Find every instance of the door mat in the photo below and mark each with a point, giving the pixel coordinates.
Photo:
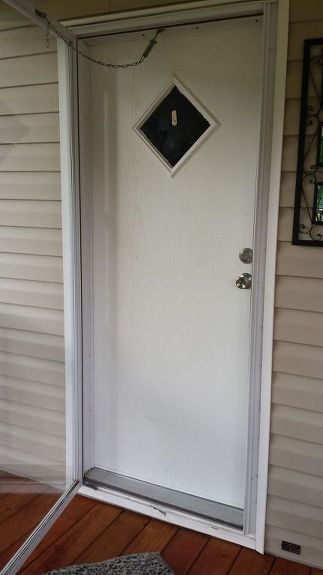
(139, 564)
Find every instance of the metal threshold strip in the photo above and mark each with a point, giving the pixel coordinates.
(223, 514)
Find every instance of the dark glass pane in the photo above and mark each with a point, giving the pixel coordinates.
(320, 147)
(318, 204)
(174, 126)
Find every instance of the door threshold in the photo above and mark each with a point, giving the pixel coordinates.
(220, 513)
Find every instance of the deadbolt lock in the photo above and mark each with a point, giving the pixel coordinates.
(244, 281)
(246, 255)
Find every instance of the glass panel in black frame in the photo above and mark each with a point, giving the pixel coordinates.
(318, 204)
(174, 126)
(319, 160)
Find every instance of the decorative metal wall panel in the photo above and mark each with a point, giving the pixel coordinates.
(308, 212)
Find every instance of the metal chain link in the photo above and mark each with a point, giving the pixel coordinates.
(50, 27)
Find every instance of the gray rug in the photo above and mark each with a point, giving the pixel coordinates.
(139, 564)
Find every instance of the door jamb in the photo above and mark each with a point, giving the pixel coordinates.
(275, 60)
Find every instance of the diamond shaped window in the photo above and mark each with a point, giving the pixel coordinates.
(175, 126)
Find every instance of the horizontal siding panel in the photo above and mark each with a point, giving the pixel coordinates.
(30, 267)
(30, 213)
(29, 157)
(299, 293)
(299, 261)
(291, 120)
(300, 11)
(307, 519)
(40, 241)
(296, 454)
(295, 391)
(40, 69)
(25, 41)
(30, 186)
(44, 346)
(298, 32)
(32, 369)
(10, 18)
(31, 441)
(312, 547)
(35, 418)
(32, 319)
(296, 486)
(299, 327)
(297, 423)
(32, 393)
(292, 114)
(39, 468)
(28, 129)
(32, 293)
(298, 359)
(285, 224)
(294, 80)
(290, 149)
(287, 189)
(29, 100)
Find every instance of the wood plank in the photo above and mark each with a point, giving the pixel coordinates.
(69, 546)
(114, 539)
(25, 520)
(154, 537)
(250, 562)
(12, 503)
(216, 558)
(10, 483)
(284, 567)
(8, 553)
(183, 550)
(77, 509)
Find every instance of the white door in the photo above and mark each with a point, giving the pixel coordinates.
(171, 328)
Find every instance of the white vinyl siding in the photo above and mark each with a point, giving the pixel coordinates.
(32, 374)
(295, 490)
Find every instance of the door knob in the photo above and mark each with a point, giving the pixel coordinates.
(244, 281)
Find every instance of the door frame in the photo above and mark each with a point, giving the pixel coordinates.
(275, 36)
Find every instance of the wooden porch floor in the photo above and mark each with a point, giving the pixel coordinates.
(90, 531)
